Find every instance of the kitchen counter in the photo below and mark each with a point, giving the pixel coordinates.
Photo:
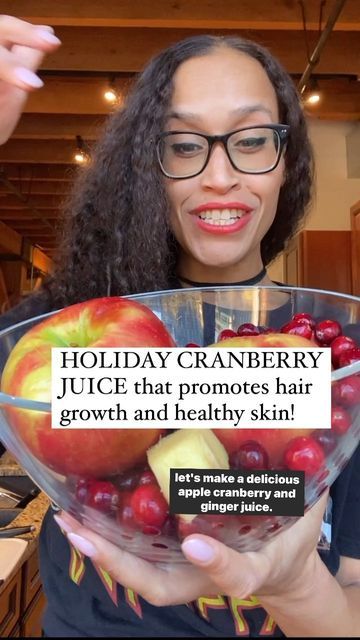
(9, 466)
(32, 514)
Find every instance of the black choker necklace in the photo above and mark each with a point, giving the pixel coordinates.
(248, 282)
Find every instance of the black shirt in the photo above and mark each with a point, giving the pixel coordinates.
(83, 601)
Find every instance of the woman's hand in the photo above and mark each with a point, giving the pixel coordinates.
(284, 565)
(22, 49)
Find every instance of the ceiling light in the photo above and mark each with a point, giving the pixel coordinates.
(81, 155)
(110, 94)
(313, 98)
(313, 93)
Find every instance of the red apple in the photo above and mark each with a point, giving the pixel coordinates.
(103, 322)
(273, 441)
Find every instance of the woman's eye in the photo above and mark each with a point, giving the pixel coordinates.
(186, 149)
(251, 144)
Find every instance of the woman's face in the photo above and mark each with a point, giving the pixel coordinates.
(215, 94)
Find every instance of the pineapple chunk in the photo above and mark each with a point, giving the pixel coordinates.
(186, 449)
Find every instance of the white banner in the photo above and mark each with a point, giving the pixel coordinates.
(191, 388)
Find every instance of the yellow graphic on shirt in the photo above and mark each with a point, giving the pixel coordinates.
(205, 603)
(109, 583)
(133, 601)
(268, 627)
(77, 565)
(237, 605)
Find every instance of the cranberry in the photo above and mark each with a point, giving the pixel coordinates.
(347, 392)
(265, 330)
(296, 328)
(191, 345)
(251, 455)
(304, 318)
(147, 477)
(248, 329)
(340, 420)
(149, 506)
(125, 515)
(81, 490)
(349, 357)
(99, 494)
(304, 454)
(169, 526)
(326, 331)
(326, 439)
(341, 345)
(128, 481)
(226, 333)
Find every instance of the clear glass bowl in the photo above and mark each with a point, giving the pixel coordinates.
(196, 316)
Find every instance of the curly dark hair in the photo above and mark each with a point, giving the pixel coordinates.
(117, 239)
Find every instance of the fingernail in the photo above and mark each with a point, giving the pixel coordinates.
(198, 550)
(47, 36)
(86, 547)
(62, 524)
(28, 77)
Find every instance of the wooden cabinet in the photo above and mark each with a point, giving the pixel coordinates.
(31, 580)
(10, 600)
(22, 603)
(321, 260)
(31, 623)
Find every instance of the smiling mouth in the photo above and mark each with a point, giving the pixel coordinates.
(223, 217)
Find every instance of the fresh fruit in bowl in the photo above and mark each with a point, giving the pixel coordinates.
(105, 322)
(116, 480)
(268, 444)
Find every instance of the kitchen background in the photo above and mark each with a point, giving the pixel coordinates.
(106, 44)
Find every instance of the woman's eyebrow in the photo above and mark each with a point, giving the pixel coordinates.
(249, 109)
(239, 112)
(184, 115)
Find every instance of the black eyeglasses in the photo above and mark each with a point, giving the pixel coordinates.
(185, 154)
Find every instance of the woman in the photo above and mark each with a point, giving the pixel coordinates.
(179, 193)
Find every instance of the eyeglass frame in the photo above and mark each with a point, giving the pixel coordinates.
(282, 131)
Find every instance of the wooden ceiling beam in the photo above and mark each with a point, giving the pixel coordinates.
(24, 173)
(10, 240)
(36, 187)
(42, 261)
(76, 95)
(340, 100)
(61, 110)
(10, 201)
(31, 227)
(127, 50)
(38, 151)
(52, 126)
(238, 14)
(25, 214)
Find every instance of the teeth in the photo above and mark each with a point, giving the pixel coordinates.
(221, 218)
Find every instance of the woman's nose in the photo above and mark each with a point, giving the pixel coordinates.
(219, 175)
